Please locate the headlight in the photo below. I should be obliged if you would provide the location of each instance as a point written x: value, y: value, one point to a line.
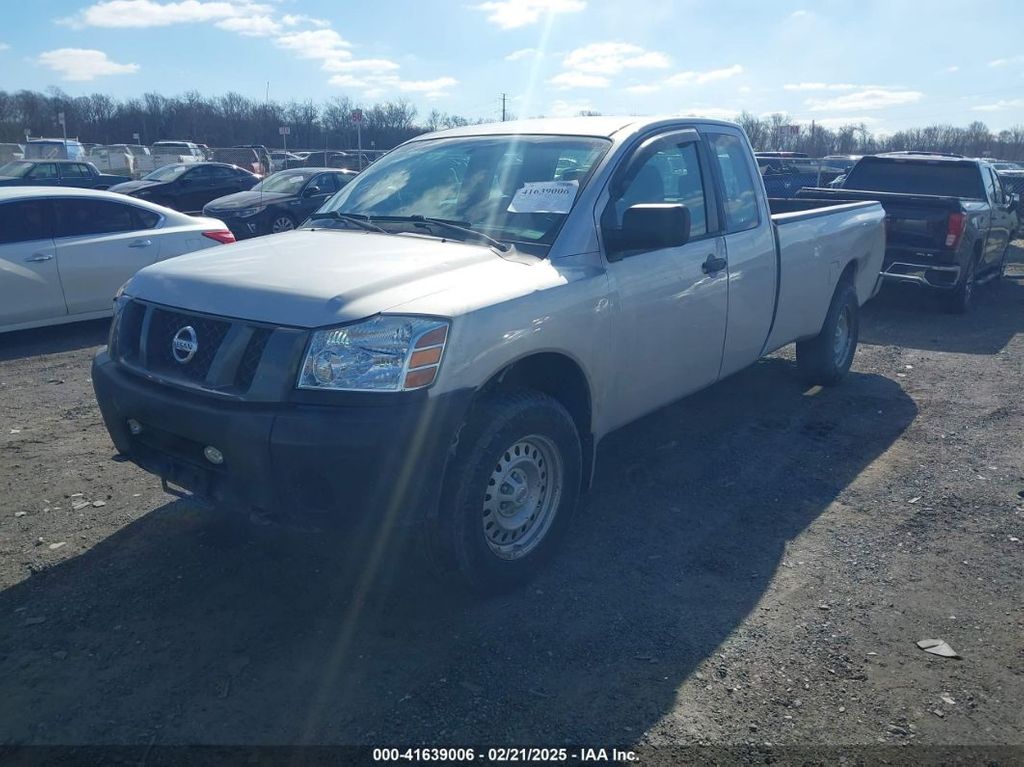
x: 250, y: 212
x: 385, y: 353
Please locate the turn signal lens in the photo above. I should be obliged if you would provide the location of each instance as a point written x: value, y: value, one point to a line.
x: 425, y: 357
x: 416, y: 379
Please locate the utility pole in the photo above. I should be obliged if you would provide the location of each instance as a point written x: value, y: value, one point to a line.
x: 503, y: 96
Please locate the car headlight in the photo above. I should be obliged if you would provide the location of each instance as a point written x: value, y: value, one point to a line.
x: 250, y: 212
x: 384, y: 353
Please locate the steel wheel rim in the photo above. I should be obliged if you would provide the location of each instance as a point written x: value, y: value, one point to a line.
x: 522, y: 496
x: 282, y: 224
x: 842, y: 339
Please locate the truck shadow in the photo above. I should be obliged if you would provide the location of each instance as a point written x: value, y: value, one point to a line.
x: 154, y: 635
x: 53, y: 339
x: 903, y: 315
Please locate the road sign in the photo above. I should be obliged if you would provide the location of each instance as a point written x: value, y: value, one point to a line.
x: 285, y: 130
x: 136, y: 137
x: 357, y: 116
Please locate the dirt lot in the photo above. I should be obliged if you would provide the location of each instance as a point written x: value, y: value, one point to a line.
x: 755, y: 565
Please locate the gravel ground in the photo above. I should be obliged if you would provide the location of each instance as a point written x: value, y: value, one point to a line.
x: 754, y: 565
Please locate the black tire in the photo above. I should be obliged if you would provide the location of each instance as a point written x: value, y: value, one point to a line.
x: 825, y: 359
x: 458, y: 539
x: 962, y: 297
x: 281, y: 217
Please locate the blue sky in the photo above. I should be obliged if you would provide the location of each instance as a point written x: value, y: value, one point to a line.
x: 890, y: 64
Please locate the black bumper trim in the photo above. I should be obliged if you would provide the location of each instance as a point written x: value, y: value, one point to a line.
x: 335, y: 462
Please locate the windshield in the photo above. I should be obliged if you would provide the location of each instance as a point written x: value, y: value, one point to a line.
x: 285, y: 182
x: 941, y: 178
x: 15, y: 169
x: 513, y: 188
x: 167, y: 173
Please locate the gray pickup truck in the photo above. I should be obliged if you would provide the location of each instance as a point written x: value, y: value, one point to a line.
x: 444, y: 344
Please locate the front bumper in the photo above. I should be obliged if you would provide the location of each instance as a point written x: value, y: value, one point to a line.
x: 297, y: 462
x: 242, y: 228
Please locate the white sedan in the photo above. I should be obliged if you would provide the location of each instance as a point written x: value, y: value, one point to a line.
x: 65, y: 252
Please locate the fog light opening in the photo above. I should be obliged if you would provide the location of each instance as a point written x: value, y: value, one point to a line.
x: 134, y: 427
x: 213, y: 455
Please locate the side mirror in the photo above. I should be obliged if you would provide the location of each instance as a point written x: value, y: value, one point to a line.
x: 652, y: 226
x: 311, y: 191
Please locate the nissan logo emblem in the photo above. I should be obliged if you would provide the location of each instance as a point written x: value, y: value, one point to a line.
x: 184, y: 345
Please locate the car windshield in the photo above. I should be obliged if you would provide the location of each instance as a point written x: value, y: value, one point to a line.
x: 285, y: 182
x: 512, y: 188
x: 167, y: 173
x: 15, y: 169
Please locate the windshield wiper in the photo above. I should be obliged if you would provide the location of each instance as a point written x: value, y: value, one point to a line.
x: 359, y: 219
x: 460, y: 227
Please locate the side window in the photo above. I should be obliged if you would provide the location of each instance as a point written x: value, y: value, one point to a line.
x: 199, y: 174
x: 670, y: 175
x: 75, y: 170
x: 342, y: 179
x: 327, y: 182
x: 78, y: 217
x: 24, y: 221
x: 144, y: 219
x: 44, y: 171
x: 997, y: 188
x: 738, y: 189
x: 990, y: 188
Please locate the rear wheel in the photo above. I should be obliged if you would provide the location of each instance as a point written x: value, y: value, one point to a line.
x: 509, y: 491
x: 281, y: 222
x: 962, y: 297
x: 825, y: 359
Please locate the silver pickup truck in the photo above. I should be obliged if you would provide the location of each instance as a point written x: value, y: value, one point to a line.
x: 444, y: 344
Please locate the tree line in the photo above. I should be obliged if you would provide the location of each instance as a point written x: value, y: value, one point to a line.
x: 236, y: 119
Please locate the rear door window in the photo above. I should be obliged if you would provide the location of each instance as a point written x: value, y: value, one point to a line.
x: 75, y: 170
x: 80, y: 217
x: 44, y: 171
x: 25, y: 221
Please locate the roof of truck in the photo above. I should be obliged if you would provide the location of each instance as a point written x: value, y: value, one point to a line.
x: 602, y: 127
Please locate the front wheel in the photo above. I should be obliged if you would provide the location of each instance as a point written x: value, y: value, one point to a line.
x: 825, y: 359
x: 281, y: 222
x: 509, y: 491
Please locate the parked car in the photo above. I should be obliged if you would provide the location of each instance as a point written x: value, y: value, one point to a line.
x: 10, y: 152
x: 65, y: 252
x: 180, y: 148
x: 1001, y: 165
x: 248, y: 158
x: 948, y: 220
x: 189, y: 186
x: 57, y: 173
x: 54, y: 149
x: 130, y: 159
x: 285, y: 160
x: 280, y: 202
x: 445, y: 343
x: 343, y: 160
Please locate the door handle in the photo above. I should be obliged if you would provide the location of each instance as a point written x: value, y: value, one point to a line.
x: 713, y: 264
x: 40, y: 257
x: 140, y: 243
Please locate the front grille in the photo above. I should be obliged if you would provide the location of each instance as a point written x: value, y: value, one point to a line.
x: 163, y: 325
x: 145, y: 340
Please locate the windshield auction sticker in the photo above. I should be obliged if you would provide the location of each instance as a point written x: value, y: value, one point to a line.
x: 544, y: 197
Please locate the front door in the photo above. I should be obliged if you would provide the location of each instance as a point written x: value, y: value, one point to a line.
x: 29, y: 282
x: 672, y: 301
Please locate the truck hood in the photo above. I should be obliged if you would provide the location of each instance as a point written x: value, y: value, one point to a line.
x: 312, y: 278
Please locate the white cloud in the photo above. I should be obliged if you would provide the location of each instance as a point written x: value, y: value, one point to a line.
x: 1006, y: 62
x: 952, y: 69
x: 4, y: 47
x: 702, y: 78
x: 151, y: 13
x: 522, y: 53
x: 822, y: 87
x: 744, y: 89
x: 642, y: 89
x: 877, y: 98
x: 82, y: 64
x: 322, y: 44
x: 360, y: 65
x: 250, y: 26
x: 511, y: 14
x: 798, y: 14
x: 295, y: 19
x: 569, y: 108
x: 712, y: 113
x: 1000, y: 105
x: 377, y: 84
x: 610, y: 58
x: 567, y: 80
